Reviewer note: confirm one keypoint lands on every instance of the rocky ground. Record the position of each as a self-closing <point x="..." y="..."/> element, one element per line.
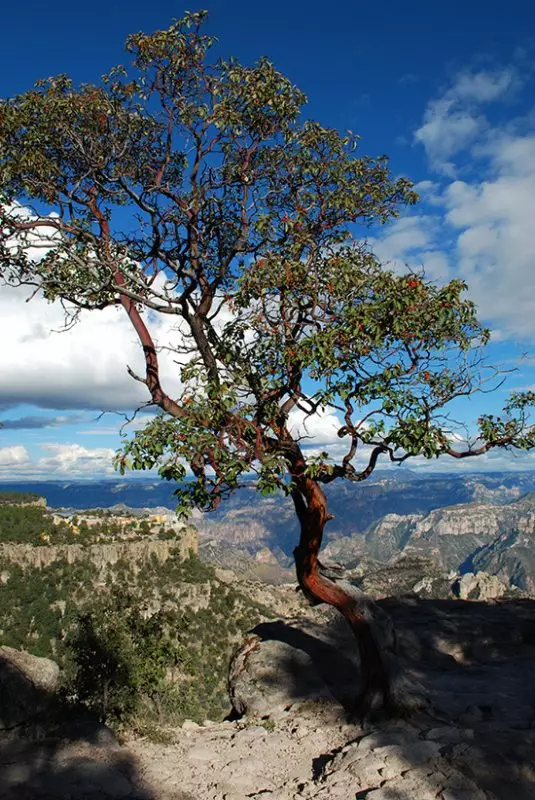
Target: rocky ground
<point x="468" y="732"/>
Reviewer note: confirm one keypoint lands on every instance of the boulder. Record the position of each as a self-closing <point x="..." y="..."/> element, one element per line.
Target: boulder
<point x="304" y="663"/>
<point x="479" y="586"/>
<point x="405" y="575"/>
<point x="27" y="686"/>
<point x="277" y="666"/>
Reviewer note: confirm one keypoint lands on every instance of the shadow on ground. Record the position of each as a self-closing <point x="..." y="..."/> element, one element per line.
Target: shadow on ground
<point x="469" y="664"/>
<point x="74" y="769"/>
<point x="56" y="753"/>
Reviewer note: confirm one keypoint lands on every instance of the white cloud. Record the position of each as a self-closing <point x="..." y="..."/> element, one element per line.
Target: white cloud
<point x="445" y="131"/>
<point x="73" y="459"/>
<point x="479" y="228"/>
<point x="493" y="224"/>
<point x="412" y="242"/>
<point x="11" y="457"/>
<point x="484" y="86"/>
<point x="454" y="120"/>
<point x="405" y="236"/>
<point x="319" y="430"/>
<point x="60" y="461"/>
<point x="82" y="368"/>
<point x="428" y="191"/>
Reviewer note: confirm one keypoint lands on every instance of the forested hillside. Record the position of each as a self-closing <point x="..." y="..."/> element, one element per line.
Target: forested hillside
<point x="141" y="641"/>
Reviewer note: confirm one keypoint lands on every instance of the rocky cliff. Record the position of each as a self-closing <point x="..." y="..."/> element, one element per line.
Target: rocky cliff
<point x="499" y="539"/>
<point x="136" y="553"/>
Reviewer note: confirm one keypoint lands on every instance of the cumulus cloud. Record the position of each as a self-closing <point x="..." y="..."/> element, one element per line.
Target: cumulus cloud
<point x="75" y="459"/>
<point x="454" y="120"/>
<point x="59" y="461"/>
<point x="405" y="236"/>
<point x="483" y="86"/>
<point x="82" y="368"/>
<point x="319" y="430"/>
<point x="11" y="457"/>
<point x="479" y="227"/>
<point x="492" y="221"/>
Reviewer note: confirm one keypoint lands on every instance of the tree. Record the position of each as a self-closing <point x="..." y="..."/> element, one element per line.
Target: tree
<point x="194" y="188"/>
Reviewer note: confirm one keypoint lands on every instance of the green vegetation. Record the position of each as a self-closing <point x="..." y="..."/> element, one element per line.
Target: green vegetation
<point x="21" y="523"/>
<point x="34" y="525"/>
<point x="183" y="184"/>
<point x="27" y="524"/>
<point x="139" y="648"/>
<point x="19" y="498"/>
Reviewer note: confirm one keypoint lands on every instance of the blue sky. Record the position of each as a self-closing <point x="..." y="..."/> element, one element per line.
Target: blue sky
<point x="446" y="90"/>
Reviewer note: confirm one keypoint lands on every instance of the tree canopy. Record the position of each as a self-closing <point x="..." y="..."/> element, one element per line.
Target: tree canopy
<point x="238" y="222"/>
<point x="196" y="188"/>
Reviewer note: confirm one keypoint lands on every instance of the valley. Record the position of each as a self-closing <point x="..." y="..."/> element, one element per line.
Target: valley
<point x="464" y="522"/>
<point x="139" y="615"/>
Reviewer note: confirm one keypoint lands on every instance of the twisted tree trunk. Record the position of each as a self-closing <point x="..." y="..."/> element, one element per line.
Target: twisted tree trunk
<point x="311" y="508"/>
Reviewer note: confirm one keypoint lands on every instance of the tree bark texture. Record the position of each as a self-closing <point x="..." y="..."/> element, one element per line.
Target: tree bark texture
<point x="311" y="507"/>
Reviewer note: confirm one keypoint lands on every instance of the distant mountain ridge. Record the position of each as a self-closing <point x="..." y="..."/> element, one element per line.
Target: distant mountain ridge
<point x="403" y="490"/>
<point x="468" y="537"/>
<point x="466" y="522"/>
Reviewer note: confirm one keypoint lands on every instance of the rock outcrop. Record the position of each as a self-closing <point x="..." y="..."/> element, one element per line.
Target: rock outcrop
<point x="469" y="664"/>
<point x="102" y="555"/>
<point x="403" y="575"/>
<point x="27" y="687"/>
<point x="476" y="537"/>
<point x="479" y="587"/>
<point x="471" y="737"/>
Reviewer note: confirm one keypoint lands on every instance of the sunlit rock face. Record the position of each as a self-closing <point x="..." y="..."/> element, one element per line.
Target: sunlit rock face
<point x="471" y="537"/>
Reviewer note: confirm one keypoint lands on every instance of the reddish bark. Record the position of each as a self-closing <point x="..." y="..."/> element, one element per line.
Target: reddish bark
<point x="309" y="499"/>
<point x="311" y="507"/>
